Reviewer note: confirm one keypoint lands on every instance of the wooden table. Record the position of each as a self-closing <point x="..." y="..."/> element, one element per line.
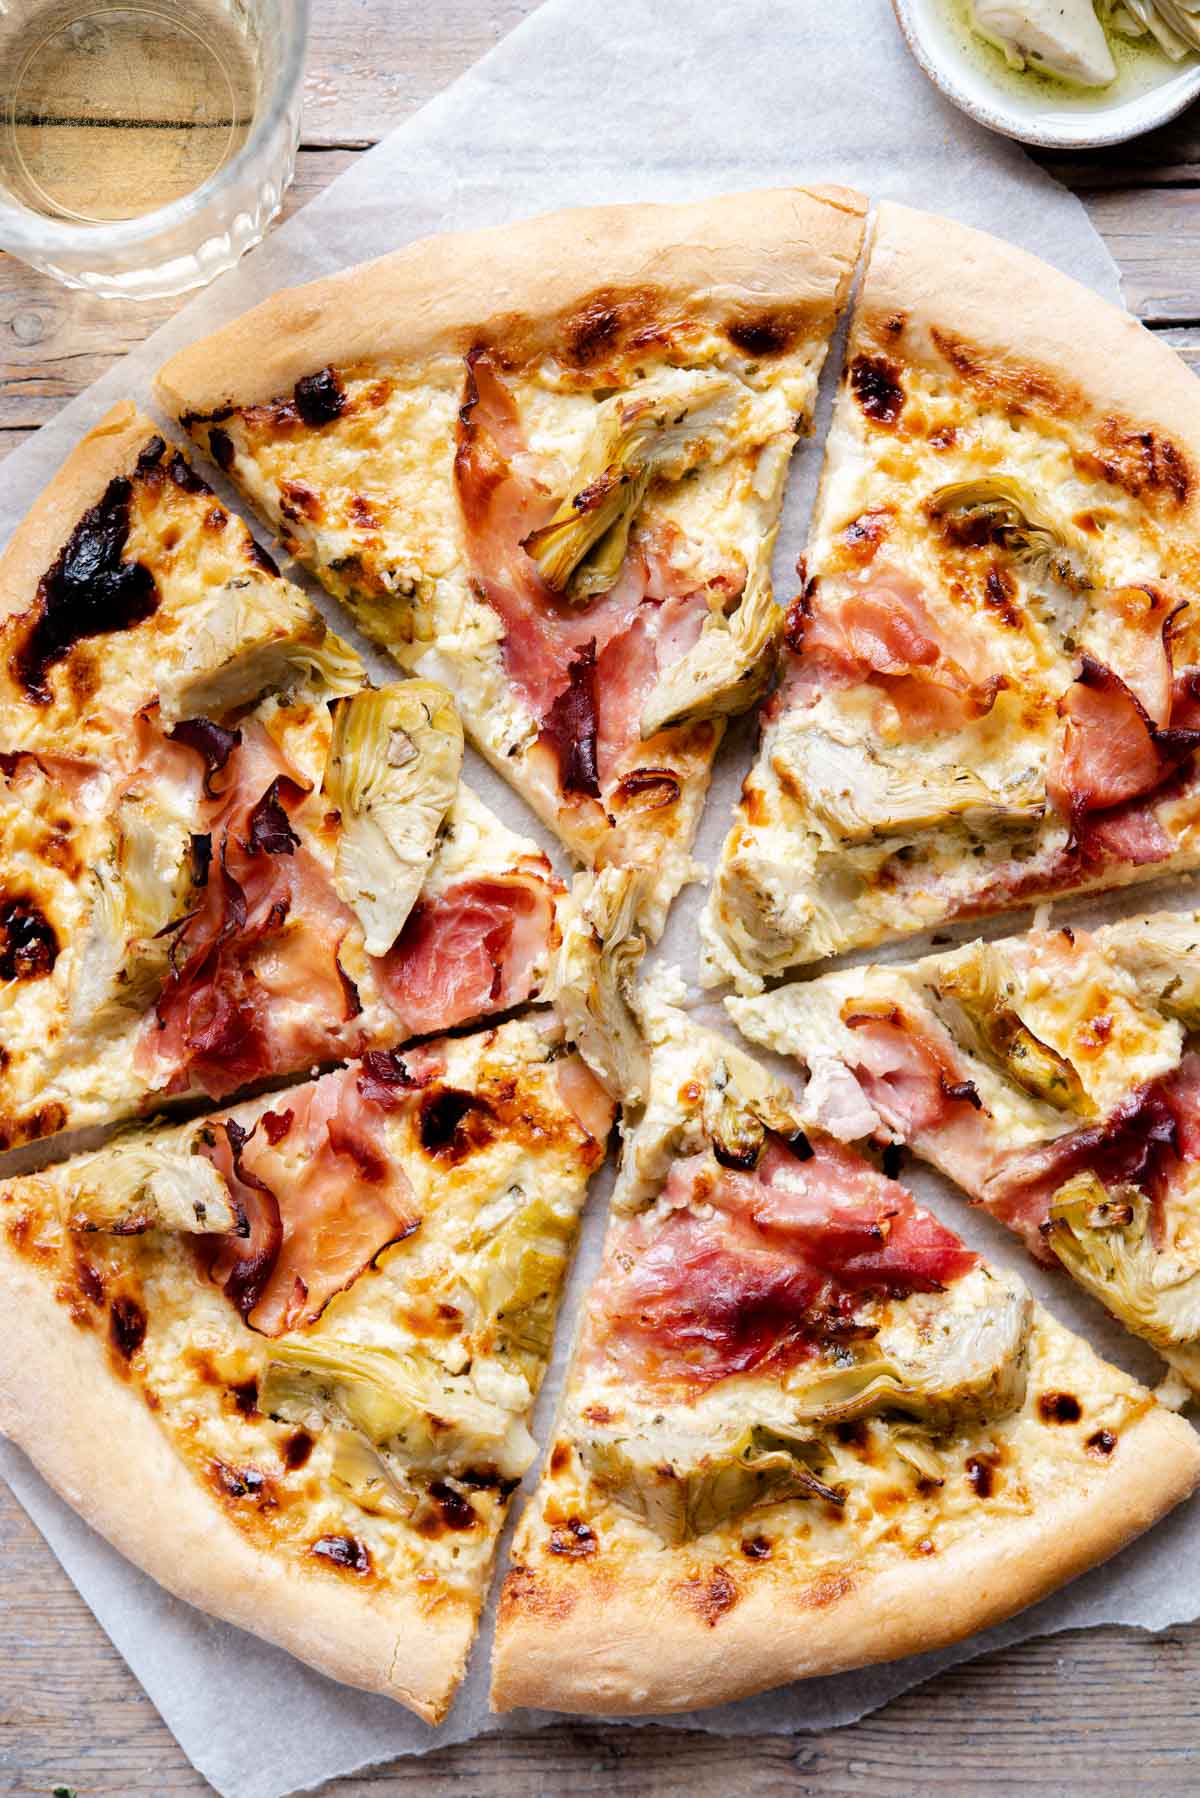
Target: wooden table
<point x="1107" y="1711"/>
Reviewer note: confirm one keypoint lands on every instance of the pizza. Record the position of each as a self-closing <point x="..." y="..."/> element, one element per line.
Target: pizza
<point x="543" y="464"/>
<point x="286" y="1353"/>
<point x="1055" y="1076"/>
<point x="989" y="690"/>
<point x="224" y="856"/>
<point x="806" y="1427"/>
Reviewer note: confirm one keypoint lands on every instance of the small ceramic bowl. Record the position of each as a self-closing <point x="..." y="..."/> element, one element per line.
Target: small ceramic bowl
<point x="1035" y="110"/>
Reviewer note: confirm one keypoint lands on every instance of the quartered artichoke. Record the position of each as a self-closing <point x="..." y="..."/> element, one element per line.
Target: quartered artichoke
<point x="393" y="773"/>
<point x="659" y="430"/>
<point x="593" y="978"/>
<point x="1163" y="956"/>
<point x="1062" y="37"/>
<point x="420" y="1419"/>
<point x="1174" y="24"/>
<point x="134" y="1187"/>
<point x="243" y="649"/>
<point x="683" y="1482"/>
<point x="1001" y="510"/>
<point x="977" y="991"/>
<point x="1103" y="1238"/>
<point x="860" y="793"/>
<point x="518" y="1262"/>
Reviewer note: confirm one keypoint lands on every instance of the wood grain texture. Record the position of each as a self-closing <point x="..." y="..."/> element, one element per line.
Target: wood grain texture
<point x="1105" y="1712"/>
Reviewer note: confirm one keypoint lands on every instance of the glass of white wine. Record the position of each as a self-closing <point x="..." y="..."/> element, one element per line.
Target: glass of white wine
<point x="144" y="148"/>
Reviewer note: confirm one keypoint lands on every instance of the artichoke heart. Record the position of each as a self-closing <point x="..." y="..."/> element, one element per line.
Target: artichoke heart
<point x="977" y="992"/>
<point x="515" y="1274"/>
<point x="860" y="793"/>
<point x="1102" y="1236"/>
<point x="659" y="430"/>
<point x="1173" y="24"/>
<point x="683" y="1483"/>
<point x="593" y="978"/>
<point x="422" y="1420"/>
<point x="245" y="648"/>
<point x="1000" y="509"/>
<point x="1162" y="954"/>
<point x="393" y="773"/>
<point x="134" y="1187"/>
<point x="726" y="670"/>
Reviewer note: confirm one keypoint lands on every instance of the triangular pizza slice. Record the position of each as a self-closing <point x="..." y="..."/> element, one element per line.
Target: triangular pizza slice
<point x="992" y="682"/>
<point x="544" y="464"/>
<point x="1055" y="1076"/>
<point x="224" y="856"/>
<point x="284" y="1356"/>
<point x="807" y="1428"/>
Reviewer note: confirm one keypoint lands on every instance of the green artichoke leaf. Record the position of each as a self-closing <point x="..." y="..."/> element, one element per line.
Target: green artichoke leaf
<point x="594" y="977"/>
<point x="1103" y="1237"/>
<point x="423" y="1420"/>
<point x="658" y="430"/>
<point x="393" y="772"/>
<point x="520" y="1250"/>
<point x="1162" y="953"/>
<point x="726" y="670"/>
<point x="138" y="1184"/>
<point x="258" y="637"/>
<point x="977" y="991"/>
<point x="1000" y="509"/>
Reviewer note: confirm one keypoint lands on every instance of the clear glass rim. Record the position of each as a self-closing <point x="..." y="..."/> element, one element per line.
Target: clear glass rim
<point x="23" y="230"/>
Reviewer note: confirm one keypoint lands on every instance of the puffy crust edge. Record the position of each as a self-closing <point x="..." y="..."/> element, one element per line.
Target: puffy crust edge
<point x="793" y="248"/>
<point x="1048" y="333"/>
<point x="641" y="1651"/>
<point x="94" y="1440"/>
<point x="110" y="448"/>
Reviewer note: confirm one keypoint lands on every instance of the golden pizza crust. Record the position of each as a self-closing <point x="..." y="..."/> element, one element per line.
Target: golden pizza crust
<point x="567" y="1640"/>
<point x="738" y="254"/>
<point x="96" y="1442"/>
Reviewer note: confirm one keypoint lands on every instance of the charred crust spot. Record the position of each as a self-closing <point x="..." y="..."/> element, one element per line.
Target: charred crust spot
<point x="453" y="1124"/>
<point x="594" y="332"/>
<point x="999" y="594"/>
<point x="150" y="457"/>
<point x="245" y="1397"/>
<point x="574" y="1539"/>
<point x="220" y="448"/>
<point x="184" y="476"/>
<point x="457" y="1511"/>
<point x="824" y="1592"/>
<point x="1101" y="1443"/>
<point x="894" y="326"/>
<point x="243" y="1483"/>
<point x="647" y="789"/>
<point x="756" y="1548"/>
<point x="28" y="943"/>
<point x="298" y="501"/>
<point x="523" y="1592"/>
<point x="1140" y="462"/>
<point x="560" y="1455"/>
<point x="876" y="385"/>
<point x="999" y="375"/>
<point x="711" y="1596"/>
<point x="319" y="398"/>
<point x="260" y="558"/>
<point x="88" y="591"/>
<point x="126" y="1326"/>
<point x="346" y="1552"/>
<point x="798" y="615"/>
<point x="362" y="513"/>
<point x="981" y="1475"/>
<point x="296" y="1450"/>
<point x="90" y="1283"/>
<point x="863" y="535"/>
<point x="216" y="518"/>
<point x="764" y="334"/>
<point x="1059" y="1407"/>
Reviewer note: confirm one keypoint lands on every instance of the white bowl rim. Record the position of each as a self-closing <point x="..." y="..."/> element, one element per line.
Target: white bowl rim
<point x="1087" y="130"/>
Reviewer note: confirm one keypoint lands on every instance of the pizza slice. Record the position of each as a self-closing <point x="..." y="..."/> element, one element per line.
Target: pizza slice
<point x="284" y="1356"/>
<point x="543" y="464"/>
<point x="806" y="1429"/>
<point x="224" y="856"/>
<point x="1055" y="1076"/>
<point x="991" y="679"/>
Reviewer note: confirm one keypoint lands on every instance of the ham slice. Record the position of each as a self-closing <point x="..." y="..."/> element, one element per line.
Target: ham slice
<point x="1112" y="751"/>
<point x="882" y="633"/>
<point x="764" y="1269"/>
<point x="471" y="951"/>
<point x="648" y="618"/>
<point x="319" y="1160"/>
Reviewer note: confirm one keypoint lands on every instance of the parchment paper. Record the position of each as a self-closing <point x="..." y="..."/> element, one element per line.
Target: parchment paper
<point x="595" y="100"/>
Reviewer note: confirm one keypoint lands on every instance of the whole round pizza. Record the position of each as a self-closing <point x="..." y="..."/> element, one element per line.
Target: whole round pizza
<point x="322" y="1054"/>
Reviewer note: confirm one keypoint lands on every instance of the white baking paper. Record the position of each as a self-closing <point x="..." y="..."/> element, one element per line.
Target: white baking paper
<point x="601" y="100"/>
